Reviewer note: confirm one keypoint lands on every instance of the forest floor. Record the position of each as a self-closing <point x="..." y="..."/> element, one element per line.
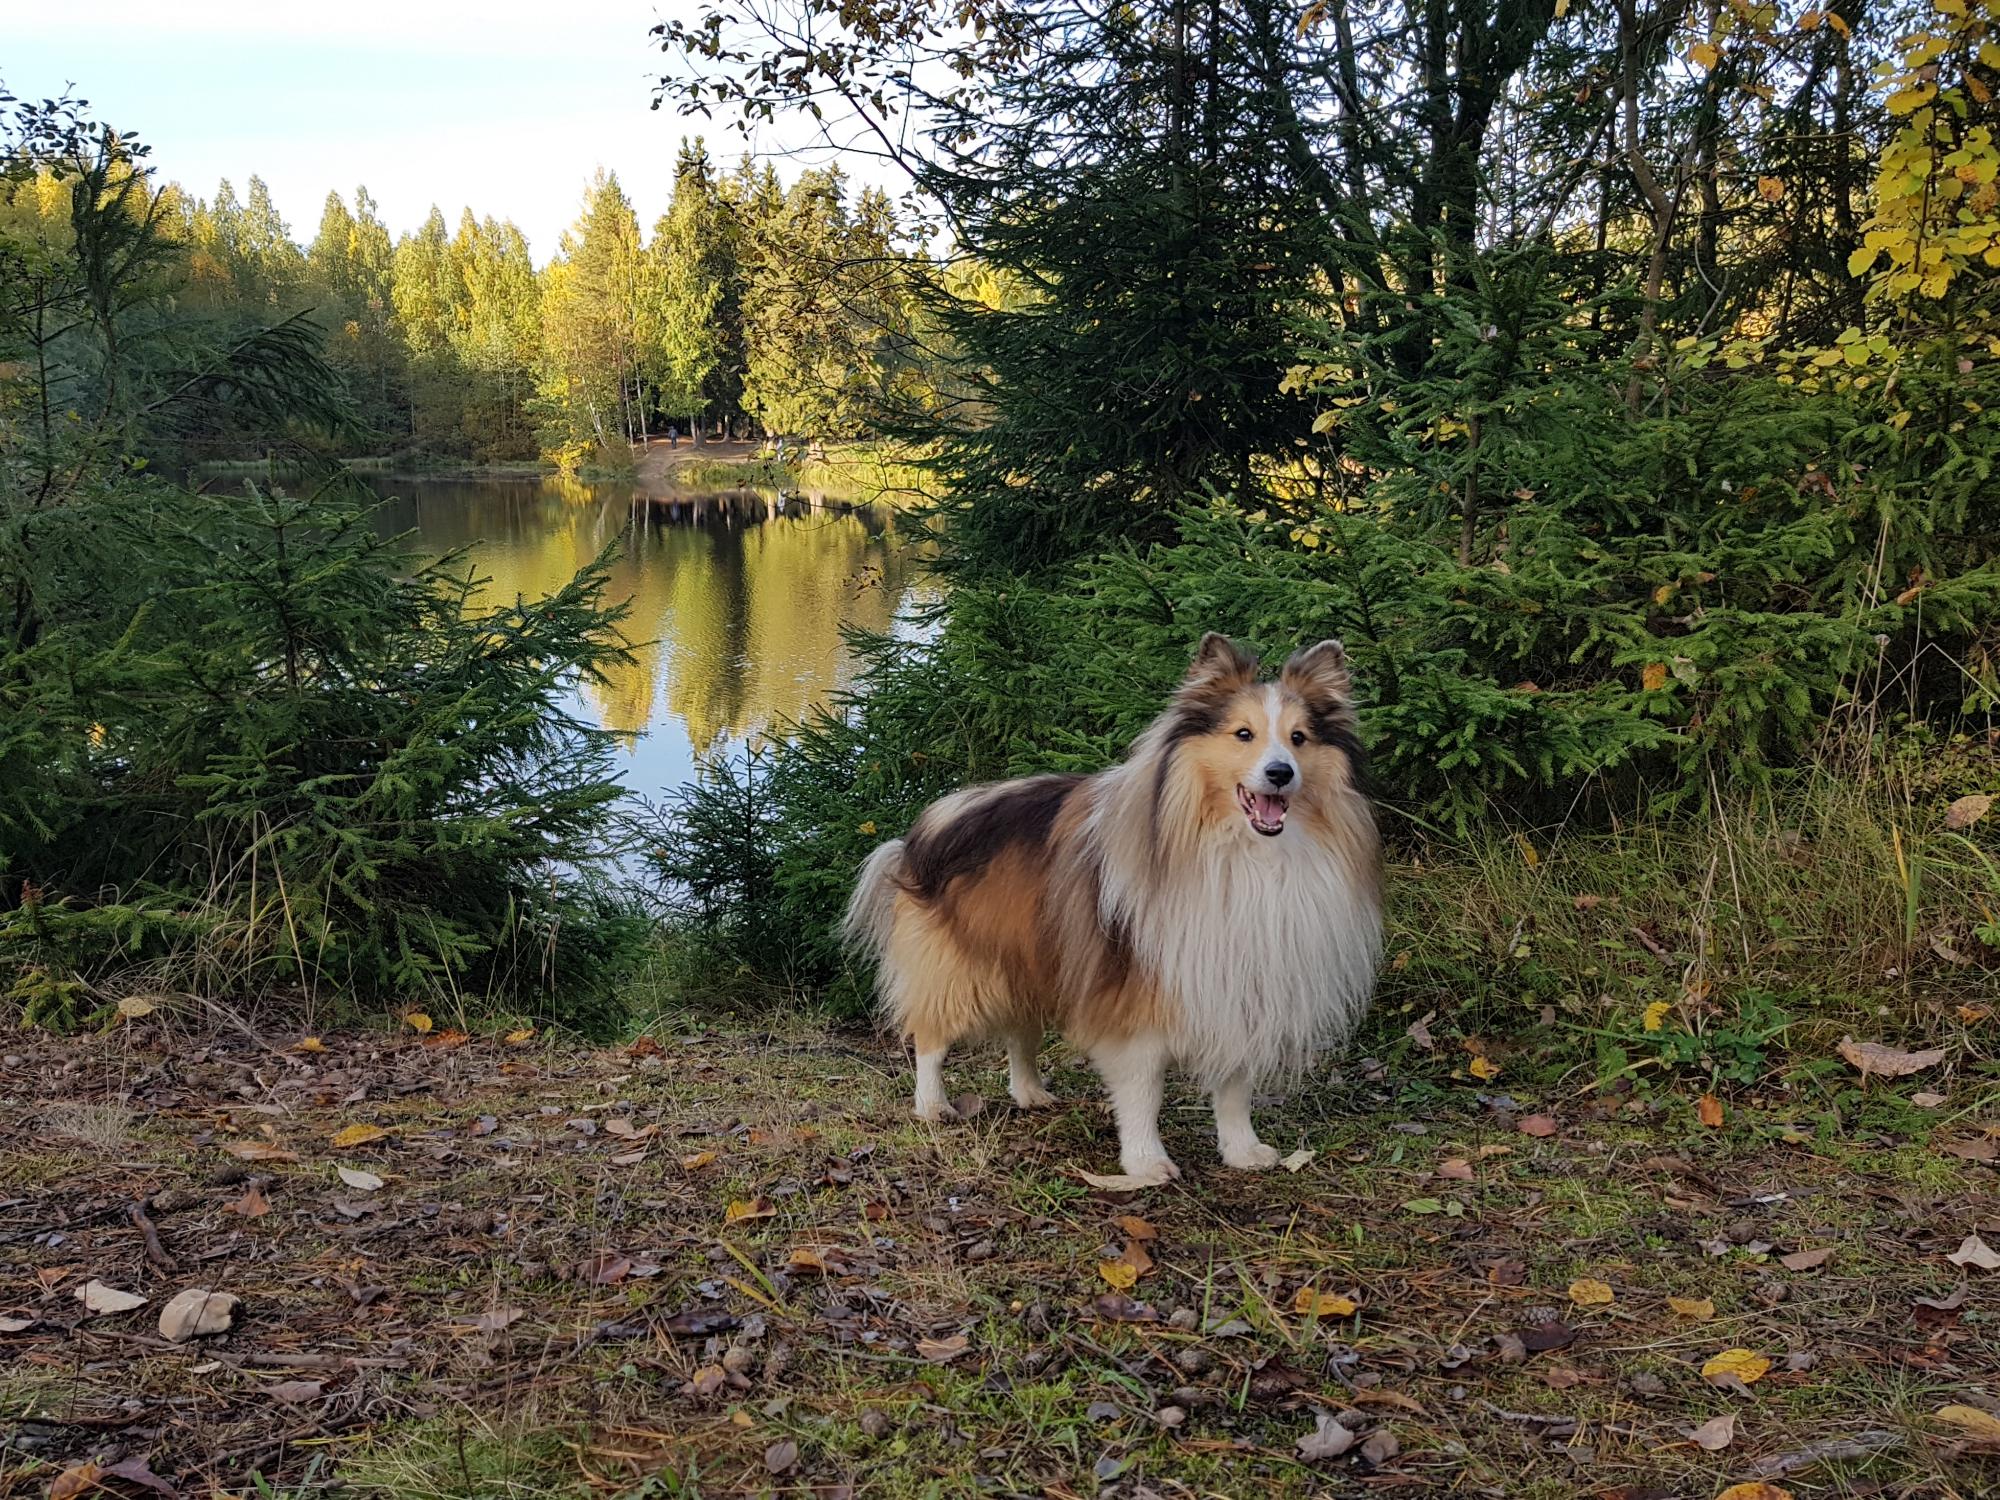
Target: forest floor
<point x="718" y="1264"/>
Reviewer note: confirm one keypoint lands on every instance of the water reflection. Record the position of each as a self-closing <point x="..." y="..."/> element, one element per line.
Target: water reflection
<point x="737" y="600"/>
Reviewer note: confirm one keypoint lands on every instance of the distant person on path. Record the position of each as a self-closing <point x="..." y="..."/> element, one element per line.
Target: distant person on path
<point x="781" y="447"/>
<point x="673" y="436"/>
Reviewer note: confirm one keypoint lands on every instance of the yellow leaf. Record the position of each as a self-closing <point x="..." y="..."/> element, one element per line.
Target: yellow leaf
<point x="1118" y="1273"/>
<point x="1313" y="1303"/>
<point x="867" y="828"/>
<point x="1654" y="676"/>
<point x="1663" y="593"/>
<point x="309" y="1044"/>
<point x="1562" y="9"/>
<point x="1483" y="1067"/>
<point x="1588" y="1291"/>
<point x="1656" y="1015"/>
<point x="1972" y="1421"/>
<point x="1836" y="23"/>
<point x="1701" y="1309"/>
<point x="1704" y="54"/>
<point x="1757" y="1489"/>
<point x="1529" y="855"/>
<point x="516" y="1038"/>
<point x="418" y="1022"/>
<point x="1741" y="1363"/>
<point x="697" y="1161"/>
<point x="1709" y="1108"/>
<point x="134" y="1006"/>
<point x="749" y="1208"/>
<point x="357" y="1135"/>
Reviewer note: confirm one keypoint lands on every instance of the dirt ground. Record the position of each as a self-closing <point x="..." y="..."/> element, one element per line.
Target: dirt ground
<point x="655" y="461"/>
<point x="722" y="1264"/>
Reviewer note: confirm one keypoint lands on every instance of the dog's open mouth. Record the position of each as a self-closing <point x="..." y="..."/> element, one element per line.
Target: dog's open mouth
<point x="1265" y="810"/>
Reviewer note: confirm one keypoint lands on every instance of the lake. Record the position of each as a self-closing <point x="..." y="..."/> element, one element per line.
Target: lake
<point x="738" y="601"/>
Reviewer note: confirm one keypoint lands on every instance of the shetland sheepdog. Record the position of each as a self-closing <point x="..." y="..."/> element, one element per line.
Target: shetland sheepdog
<point x="1213" y="901"/>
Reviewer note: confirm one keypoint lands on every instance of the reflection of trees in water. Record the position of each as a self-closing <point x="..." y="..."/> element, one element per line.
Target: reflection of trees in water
<point x="737" y="609"/>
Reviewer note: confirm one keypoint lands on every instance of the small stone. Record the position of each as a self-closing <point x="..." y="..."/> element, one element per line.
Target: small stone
<point x="1186" y="1319"/>
<point x="197" y="1313"/>
<point x="874" y="1424"/>
<point x="1194" y="1361"/>
<point x="1170" y="1416"/>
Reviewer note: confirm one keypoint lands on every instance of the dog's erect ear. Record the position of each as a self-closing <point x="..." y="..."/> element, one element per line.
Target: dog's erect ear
<point x="1319" y="671"/>
<point x="1219" y="659"/>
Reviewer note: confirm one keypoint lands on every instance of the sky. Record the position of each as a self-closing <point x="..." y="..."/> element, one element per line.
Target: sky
<point x="505" y="106"/>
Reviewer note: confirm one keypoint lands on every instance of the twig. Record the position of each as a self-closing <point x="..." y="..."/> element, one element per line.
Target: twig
<point x="155" y="1251"/>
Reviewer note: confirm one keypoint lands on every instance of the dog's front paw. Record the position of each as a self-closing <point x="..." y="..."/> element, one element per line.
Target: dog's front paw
<point x="1150" y="1169"/>
<point x="1034" y="1096"/>
<point x="1255" y="1157"/>
<point x="937" y="1113"/>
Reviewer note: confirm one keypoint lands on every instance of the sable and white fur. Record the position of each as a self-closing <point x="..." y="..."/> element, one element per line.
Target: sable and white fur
<point x="1213" y="902"/>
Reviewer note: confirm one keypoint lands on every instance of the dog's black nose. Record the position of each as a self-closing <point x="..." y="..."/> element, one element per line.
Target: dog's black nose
<point x="1277" y="773"/>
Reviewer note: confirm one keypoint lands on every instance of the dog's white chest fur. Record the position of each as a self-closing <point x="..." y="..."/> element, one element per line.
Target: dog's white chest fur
<point x="1263" y="953"/>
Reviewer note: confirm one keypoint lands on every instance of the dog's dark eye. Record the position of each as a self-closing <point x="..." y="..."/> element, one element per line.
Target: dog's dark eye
<point x="1298" y="736"/>
<point x="1244" y="734"/>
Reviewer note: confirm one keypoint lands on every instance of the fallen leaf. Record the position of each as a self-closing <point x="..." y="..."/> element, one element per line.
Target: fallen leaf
<point x="1715" y="1434"/>
<point x="699" y="1322"/>
<point x="943" y="1351"/>
<point x="1136" y="1228"/>
<point x="292" y="1392"/>
<point x="1455" y="1169"/>
<point x="99" y="1298"/>
<point x="11" y="1324"/>
<point x="1589" y="1292"/>
<point x="1538" y="1125"/>
<point x="494" y="1320"/>
<point x="645" y="1046"/>
<point x="418" y="1022"/>
<point x="309" y="1044"/>
<point x="357" y="1135"/>
<point x="253" y="1204"/>
<point x="1311" y="1302"/>
<point x="1541" y="1338"/>
<point x="1116" y="1307"/>
<point x="1975" y="1252"/>
<point x="1888" y="1062"/>
<point x="1328" y="1439"/>
<point x="1381" y="1445"/>
<point x="1481" y="1067"/>
<point x="1966" y="811"/>
<point x="132" y="1007"/>
<point x="1507" y="1273"/>
<point x="1419" y="1032"/>
<point x="1118" y="1274"/>
<point x="1926" y="1100"/>
<point x="1709" y="1109"/>
<point x="1971" y="1014"/>
<point x="1973" y="1422"/>
<point x="1701" y="1309"/>
<point x="697" y="1161"/>
<point x="749" y="1208"/>
<point x="75" y="1482"/>
<point x="257" y="1151"/>
<point x="780" y="1456"/>
<point x="1119" y="1182"/>
<point x="1805" y="1260"/>
<point x="197" y="1313"/>
<point x="625" y="1130"/>
<point x="1755" y="1490"/>
<point x="1978" y="1148"/>
<point x="1739" y="1364"/>
<point x="354" y="1177"/>
<point x="1653" y="676"/>
<point x="606" y="1268"/>
<point x="1299" y="1159"/>
<point x="516" y="1038"/>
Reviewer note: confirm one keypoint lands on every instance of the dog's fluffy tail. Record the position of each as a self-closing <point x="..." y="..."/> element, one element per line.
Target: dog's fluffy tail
<point x="872" y="908"/>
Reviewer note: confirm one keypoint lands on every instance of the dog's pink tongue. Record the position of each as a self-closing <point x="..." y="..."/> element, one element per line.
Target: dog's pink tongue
<point x="1269" y="809"/>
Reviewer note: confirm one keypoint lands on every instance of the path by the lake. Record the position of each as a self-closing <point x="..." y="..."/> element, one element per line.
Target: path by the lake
<point x="658" y="461"/>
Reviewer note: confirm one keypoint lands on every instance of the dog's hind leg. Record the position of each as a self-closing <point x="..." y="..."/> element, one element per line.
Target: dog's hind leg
<point x="1024" y="1073"/>
<point x="1233" y="1131"/>
<point x="1135" y="1073"/>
